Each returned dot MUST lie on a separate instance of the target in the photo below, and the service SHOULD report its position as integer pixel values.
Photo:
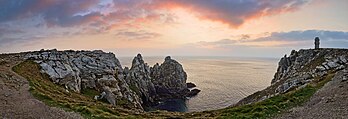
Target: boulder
(321, 68)
(99, 97)
(332, 64)
(193, 92)
(190, 85)
(343, 59)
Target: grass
(277, 104)
(271, 106)
(54, 95)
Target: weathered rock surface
(141, 85)
(139, 80)
(300, 68)
(79, 70)
(170, 79)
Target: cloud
(54, 12)
(79, 12)
(283, 39)
(233, 12)
(5, 31)
(307, 35)
(137, 35)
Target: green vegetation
(54, 95)
(134, 88)
(276, 104)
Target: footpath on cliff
(329, 102)
(16, 100)
(325, 70)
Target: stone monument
(316, 42)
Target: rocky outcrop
(139, 79)
(303, 66)
(190, 85)
(80, 70)
(140, 85)
(300, 68)
(170, 79)
(157, 83)
(193, 92)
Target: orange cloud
(233, 13)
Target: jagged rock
(99, 97)
(193, 92)
(302, 68)
(156, 83)
(343, 59)
(141, 85)
(321, 68)
(86, 69)
(332, 64)
(170, 76)
(190, 85)
(110, 97)
(139, 80)
(340, 67)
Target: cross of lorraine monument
(316, 43)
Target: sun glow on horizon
(180, 27)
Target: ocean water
(223, 81)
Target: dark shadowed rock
(193, 92)
(171, 76)
(190, 85)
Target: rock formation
(170, 79)
(300, 68)
(140, 85)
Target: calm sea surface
(223, 81)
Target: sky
(242, 28)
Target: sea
(223, 81)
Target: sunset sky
(251, 28)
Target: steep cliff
(156, 83)
(301, 68)
(308, 84)
(140, 85)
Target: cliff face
(157, 83)
(140, 85)
(300, 68)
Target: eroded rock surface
(300, 68)
(140, 85)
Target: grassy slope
(53, 95)
(43, 89)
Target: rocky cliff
(301, 68)
(140, 85)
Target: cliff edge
(309, 83)
(139, 86)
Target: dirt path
(16, 101)
(330, 102)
